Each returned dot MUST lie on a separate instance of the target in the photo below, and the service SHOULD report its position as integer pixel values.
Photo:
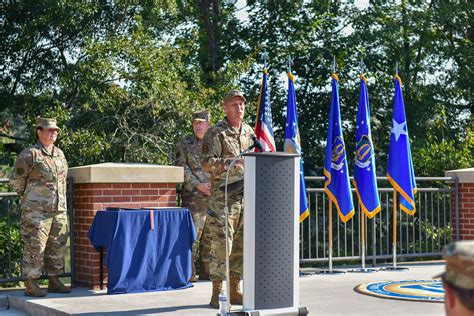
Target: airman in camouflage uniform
(222, 143)
(458, 278)
(39, 178)
(195, 193)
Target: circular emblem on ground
(413, 290)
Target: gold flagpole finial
(265, 59)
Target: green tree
(123, 78)
(121, 83)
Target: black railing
(423, 235)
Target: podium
(271, 234)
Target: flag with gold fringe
(337, 185)
(292, 142)
(365, 180)
(400, 170)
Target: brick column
(114, 185)
(466, 203)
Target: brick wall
(466, 212)
(91, 197)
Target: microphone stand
(226, 213)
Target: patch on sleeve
(20, 170)
(205, 148)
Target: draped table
(147, 249)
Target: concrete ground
(322, 294)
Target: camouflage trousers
(198, 208)
(44, 237)
(235, 237)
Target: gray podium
(271, 234)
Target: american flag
(263, 124)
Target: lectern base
(394, 269)
(291, 311)
(363, 270)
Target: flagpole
(330, 236)
(362, 229)
(399, 167)
(330, 270)
(362, 269)
(328, 169)
(394, 242)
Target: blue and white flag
(337, 185)
(400, 171)
(365, 180)
(263, 124)
(292, 142)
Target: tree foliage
(124, 77)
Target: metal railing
(423, 235)
(10, 256)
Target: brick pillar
(466, 203)
(114, 185)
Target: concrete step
(18, 303)
(6, 309)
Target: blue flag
(400, 171)
(263, 124)
(336, 184)
(293, 144)
(365, 180)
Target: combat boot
(204, 273)
(236, 296)
(193, 277)
(56, 286)
(32, 288)
(216, 290)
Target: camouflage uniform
(187, 156)
(221, 144)
(458, 278)
(39, 178)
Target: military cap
(459, 264)
(233, 93)
(202, 116)
(46, 123)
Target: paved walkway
(322, 294)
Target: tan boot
(236, 296)
(216, 290)
(204, 273)
(193, 277)
(56, 286)
(32, 288)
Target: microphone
(256, 143)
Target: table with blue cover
(147, 250)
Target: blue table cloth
(141, 257)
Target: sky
(243, 15)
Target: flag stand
(330, 270)
(394, 244)
(363, 269)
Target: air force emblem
(364, 152)
(338, 154)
